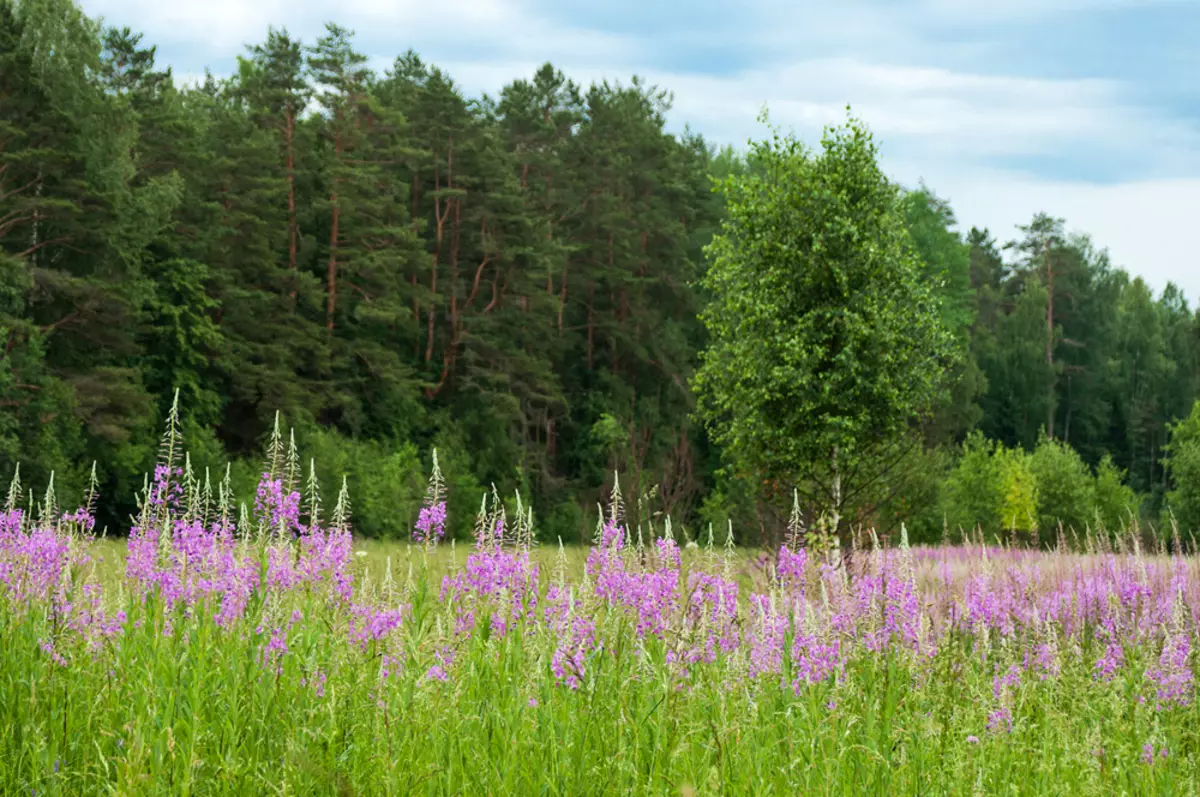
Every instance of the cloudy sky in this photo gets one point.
(1087, 109)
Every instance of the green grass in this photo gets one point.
(194, 712)
(373, 557)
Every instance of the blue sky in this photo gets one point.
(1087, 109)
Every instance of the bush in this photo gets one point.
(970, 497)
(566, 520)
(1066, 490)
(1019, 490)
(731, 500)
(1116, 504)
(1002, 489)
(991, 487)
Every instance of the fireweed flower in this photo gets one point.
(167, 488)
(443, 660)
(1173, 676)
(316, 682)
(766, 634)
(1106, 666)
(500, 582)
(791, 570)
(1147, 753)
(650, 596)
(390, 666)
(1002, 682)
(431, 521)
(278, 511)
(814, 661)
(1043, 657)
(557, 611)
(273, 650)
(569, 662)
(372, 625)
(1000, 721)
(605, 565)
(711, 616)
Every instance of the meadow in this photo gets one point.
(266, 650)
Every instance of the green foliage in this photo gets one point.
(1002, 489)
(1066, 491)
(1182, 465)
(182, 337)
(732, 500)
(992, 488)
(379, 255)
(945, 258)
(402, 264)
(825, 344)
(611, 438)
(1019, 491)
(463, 487)
(1017, 403)
(1117, 505)
(946, 265)
(565, 520)
(386, 480)
(914, 495)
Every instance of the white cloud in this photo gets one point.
(942, 128)
(224, 25)
(910, 109)
(1001, 10)
(969, 113)
(183, 79)
(222, 28)
(952, 122)
(469, 13)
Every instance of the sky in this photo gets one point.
(1086, 109)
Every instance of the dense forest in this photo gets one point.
(516, 281)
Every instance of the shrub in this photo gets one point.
(971, 495)
(1066, 491)
(1002, 489)
(991, 487)
(1019, 489)
(1116, 504)
(732, 500)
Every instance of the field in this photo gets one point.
(277, 655)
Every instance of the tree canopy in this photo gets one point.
(826, 345)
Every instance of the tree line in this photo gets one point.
(518, 281)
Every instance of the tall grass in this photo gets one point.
(257, 652)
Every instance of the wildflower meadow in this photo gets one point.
(251, 649)
(624, 444)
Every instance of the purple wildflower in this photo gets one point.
(431, 523)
